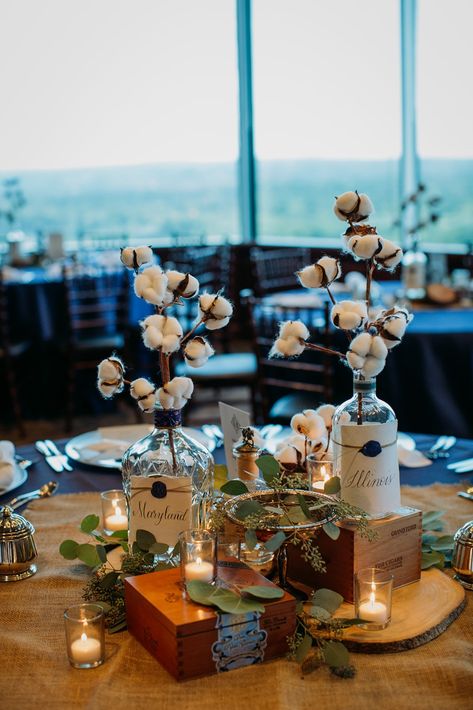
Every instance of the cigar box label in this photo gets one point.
(241, 641)
(162, 505)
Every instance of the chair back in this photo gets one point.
(311, 372)
(273, 269)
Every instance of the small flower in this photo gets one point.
(145, 393)
(323, 273)
(288, 342)
(151, 285)
(161, 333)
(110, 374)
(352, 207)
(389, 256)
(197, 351)
(349, 315)
(309, 424)
(175, 393)
(367, 354)
(134, 257)
(180, 286)
(365, 246)
(214, 310)
(392, 325)
(326, 411)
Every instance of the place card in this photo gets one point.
(162, 505)
(233, 420)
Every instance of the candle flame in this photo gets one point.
(118, 510)
(198, 561)
(115, 502)
(83, 637)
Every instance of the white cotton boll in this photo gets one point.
(286, 347)
(141, 388)
(361, 344)
(326, 411)
(178, 386)
(222, 307)
(345, 204)
(171, 326)
(355, 361)
(106, 389)
(287, 456)
(372, 367)
(389, 256)
(299, 424)
(150, 285)
(365, 247)
(166, 400)
(182, 284)
(331, 266)
(216, 324)
(394, 327)
(348, 315)
(133, 257)
(152, 338)
(293, 328)
(365, 209)
(107, 370)
(170, 344)
(311, 276)
(378, 349)
(206, 300)
(148, 403)
(316, 425)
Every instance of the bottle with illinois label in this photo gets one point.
(364, 437)
(168, 480)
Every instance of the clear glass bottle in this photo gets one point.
(414, 272)
(168, 480)
(364, 439)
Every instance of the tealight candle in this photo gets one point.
(319, 472)
(198, 551)
(114, 511)
(202, 571)
(117, 521)
(373, 591)
(86, 650)
(85, 635)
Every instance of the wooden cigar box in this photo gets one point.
(191, 640)
(397, 549)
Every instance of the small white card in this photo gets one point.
(162, 505)
(233, 420)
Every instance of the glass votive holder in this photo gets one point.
(319, 471)
(85, 635)
(114, 511)
(259, 558)
(228, 546)
(198, 550)
(373, 597)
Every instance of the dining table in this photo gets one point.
(35, 672)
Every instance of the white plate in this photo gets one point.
(20, 478)
(105, 446)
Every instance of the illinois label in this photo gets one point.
(365, 458)
(162, 505)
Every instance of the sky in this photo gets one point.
(122, 82)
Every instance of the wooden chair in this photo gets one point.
(10, 353)
(97, 322)
(273, 270)
(284, 386)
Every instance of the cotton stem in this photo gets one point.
(330, 294)
(369, 278)
(322, 349)
(192, 331)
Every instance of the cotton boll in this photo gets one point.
(326, 411)
(171, 326)
(331, 266)
(141, 388)
(361, 344)
(286, 347)
(308, 424)
(170, 344)
(150, 285)
(389, 256)
(106, 389)
(311, 276)
(372, 367)
(148, 403)
(348, 315)
(181, 284)
(166, 400)
(294, 328)
(365, 209)
(288, 456)
(378, 349)
(180, 387)
(110, 369)
(222, 308)
(394, 326)
(133, 257)
(367, 354)
(353, 207)
(355, 361)
(217, 324)
(197, 352)
(152, 331)
(215, 310)
(365, 247)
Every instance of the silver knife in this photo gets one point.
(55, 462)
(55, 451)
(464, 494)
(460, 464)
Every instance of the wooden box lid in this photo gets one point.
(180, 615)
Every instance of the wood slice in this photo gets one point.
(420, 612)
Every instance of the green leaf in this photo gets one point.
(125, 547)
(443, 543)
(109, 580)
(335, 654)
(144, 539)
(97, 536)
(250, 539)
(327, 599)
(332, 486)
(235, 487)
(159, 548)
(101, 553)
(262, 592)
(223, 599)
(275, 542)
(302, 500)
(87, 553)
(332, 530)
(248, 507)
(320, 613)
(68, 549)
(268, 466)
(274, 509)
(431, 520)
(431, 559)
(303, 648)
(89, 523)
(120, 534)
(428, 538)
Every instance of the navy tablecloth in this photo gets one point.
(84, 478)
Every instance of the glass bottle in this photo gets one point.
(414, 272)
(168, 480)
(364, 439)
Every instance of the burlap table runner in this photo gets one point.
(34, 671)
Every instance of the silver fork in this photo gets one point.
(441, 447)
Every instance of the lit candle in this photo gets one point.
(198, 570)
(325, 474)
(373, 611)
(117, 521)
(86, 650)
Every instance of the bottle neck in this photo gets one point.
(167, 418)
(364, 387)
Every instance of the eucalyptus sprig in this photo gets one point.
(437, 550)
(238, 600)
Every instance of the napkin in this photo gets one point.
(411, 458)
(8, 469)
